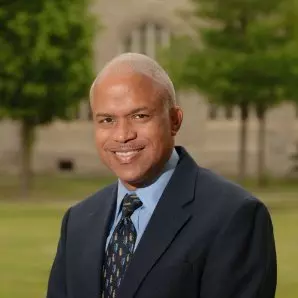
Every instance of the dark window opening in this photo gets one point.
(213, 109)
(66, 165)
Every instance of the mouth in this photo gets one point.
(127, 156)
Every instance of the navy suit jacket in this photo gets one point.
(216, 242)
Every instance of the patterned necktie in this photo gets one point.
(120, 248)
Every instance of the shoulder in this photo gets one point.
(212, 183)
(213, 193)
(222, 197)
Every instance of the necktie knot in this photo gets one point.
(130, 204)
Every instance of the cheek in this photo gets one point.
(101, 137)
(159, 135)
(161, 132)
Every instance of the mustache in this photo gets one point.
(125, 147)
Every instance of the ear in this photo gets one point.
(176, 115)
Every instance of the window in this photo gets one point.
(127, 44)
(218, 112)
(158, 34)
(146, 38)
(213, 109)
(229, 112)
(81, 111)
(143, 38)
(74, 112)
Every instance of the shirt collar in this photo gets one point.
(151, 194)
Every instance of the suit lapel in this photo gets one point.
(96, 233)
(167, 220)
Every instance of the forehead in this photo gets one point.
(126, 89)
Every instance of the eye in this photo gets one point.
(140, 116)
(106, 120)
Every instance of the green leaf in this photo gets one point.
(46, 57)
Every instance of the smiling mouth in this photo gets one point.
(127, 156)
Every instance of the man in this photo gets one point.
(167, 228)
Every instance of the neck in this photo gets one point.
(149, 178)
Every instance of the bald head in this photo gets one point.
(137, 64)
(135, 118)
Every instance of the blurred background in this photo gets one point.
(234, 64)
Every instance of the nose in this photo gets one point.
(124, 132)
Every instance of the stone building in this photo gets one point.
(210, 134)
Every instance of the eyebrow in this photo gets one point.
(103, 115)
(142, 109)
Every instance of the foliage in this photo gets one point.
(45, 65)
(244, 57)
(45, 58)
(248, 57)
(174, 58)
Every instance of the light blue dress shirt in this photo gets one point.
(149, 196)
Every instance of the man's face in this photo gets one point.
(134, 130)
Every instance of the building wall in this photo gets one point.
(213, 143)
(137, 26)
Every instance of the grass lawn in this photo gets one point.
(53, 188)
(29, 232)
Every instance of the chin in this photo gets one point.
(132, 179)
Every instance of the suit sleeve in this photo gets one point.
(242, 259)
(57, 280)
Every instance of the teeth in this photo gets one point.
(128, 153)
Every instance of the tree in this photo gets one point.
(45, 65)
(174, 58)
(211, 72)
(290, 25)
(241, 61)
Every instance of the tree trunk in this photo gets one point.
(261, 159)
(27, 139)
(243, 143)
